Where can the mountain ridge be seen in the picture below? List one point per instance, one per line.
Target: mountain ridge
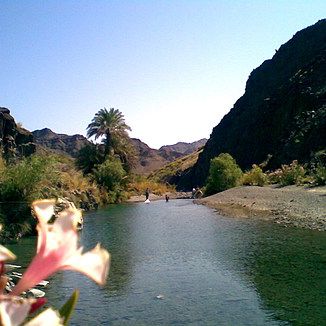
(48, 139)
(149, 159)
(282, 114)
(186, 148)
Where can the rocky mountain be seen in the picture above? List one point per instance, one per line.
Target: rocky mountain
(149, 159)
(171, 172)
(152, 159)
(185, 148)
(14, 140)
(282, 112)
(48, 139)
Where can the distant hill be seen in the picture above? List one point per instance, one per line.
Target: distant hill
(172, 172)
(282, 113)
(49, 140)
(152, 159)
(185, 148)
(149, 159)
(14, 140)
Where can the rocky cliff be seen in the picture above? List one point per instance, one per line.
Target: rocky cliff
(14, 140)
(185, 148)
(150, 159)
(48, 139)
(282, 113)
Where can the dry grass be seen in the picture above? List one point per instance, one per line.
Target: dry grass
(169, 170)
(139, 186)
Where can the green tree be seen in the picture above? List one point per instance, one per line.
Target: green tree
(224, 173)
(28, 179)
(22, 182)
(89, 156)
(110, 174)
(110, 125)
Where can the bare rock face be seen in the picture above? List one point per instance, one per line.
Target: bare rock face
(14, 141)
(185, 148)
(282, 114)
(150, 159)
(60, 142)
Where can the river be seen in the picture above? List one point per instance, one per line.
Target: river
(179, 263)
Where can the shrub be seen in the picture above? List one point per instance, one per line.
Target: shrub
(224, 173)
(37, 177)
(318, 168)
(254, 177)
(28, 179)
(140, 183)
(89, 156)
(318, 174)
(110, 174)
(288, 174)
(21, 183)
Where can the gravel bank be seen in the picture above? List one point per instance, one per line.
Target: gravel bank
(291, 205)
(172, 195)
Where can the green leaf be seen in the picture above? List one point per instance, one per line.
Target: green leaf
(67, 309)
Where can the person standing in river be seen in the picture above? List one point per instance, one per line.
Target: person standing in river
(147, 193)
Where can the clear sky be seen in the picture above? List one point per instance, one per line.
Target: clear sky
(174, 68)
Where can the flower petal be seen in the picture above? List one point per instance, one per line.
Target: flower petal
(44, 209)
(94, 264)
(57, 249)
(6, 254)
(48, 317)
(14, 310)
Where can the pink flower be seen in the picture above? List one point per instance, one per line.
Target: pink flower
(57, 249)
(14, 310)
(48, 317)
(6, 254)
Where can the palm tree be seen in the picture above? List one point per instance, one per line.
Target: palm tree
(110, 124)
(89, 156)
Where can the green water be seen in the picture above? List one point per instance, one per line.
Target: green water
(179, 263)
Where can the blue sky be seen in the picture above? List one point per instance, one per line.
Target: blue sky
(173, 68)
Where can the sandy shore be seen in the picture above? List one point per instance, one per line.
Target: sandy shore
(291, 205)
(296, 205)
(172, 195)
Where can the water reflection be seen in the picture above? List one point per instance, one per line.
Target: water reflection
(112, 229)
(288, 268)
(177, 263)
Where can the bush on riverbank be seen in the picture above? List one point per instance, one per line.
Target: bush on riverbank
(111, 178)
(139, 184)
(37, 177)
(313, 174)
(224, 173)
(318, 174)
(318, 168)
(288, 174)
(254, 177)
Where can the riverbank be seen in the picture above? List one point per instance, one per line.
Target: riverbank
(291, 205)
(152, 197)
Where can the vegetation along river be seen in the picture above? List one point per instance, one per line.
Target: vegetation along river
(179, 263)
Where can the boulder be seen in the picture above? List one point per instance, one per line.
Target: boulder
(14, 141)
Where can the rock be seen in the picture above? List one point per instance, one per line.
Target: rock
(160, 297)
(282, 112)
(71, 145)
(36, 293)
(152, 159)
(14, 141)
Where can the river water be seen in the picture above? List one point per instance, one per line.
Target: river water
(179, 263)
